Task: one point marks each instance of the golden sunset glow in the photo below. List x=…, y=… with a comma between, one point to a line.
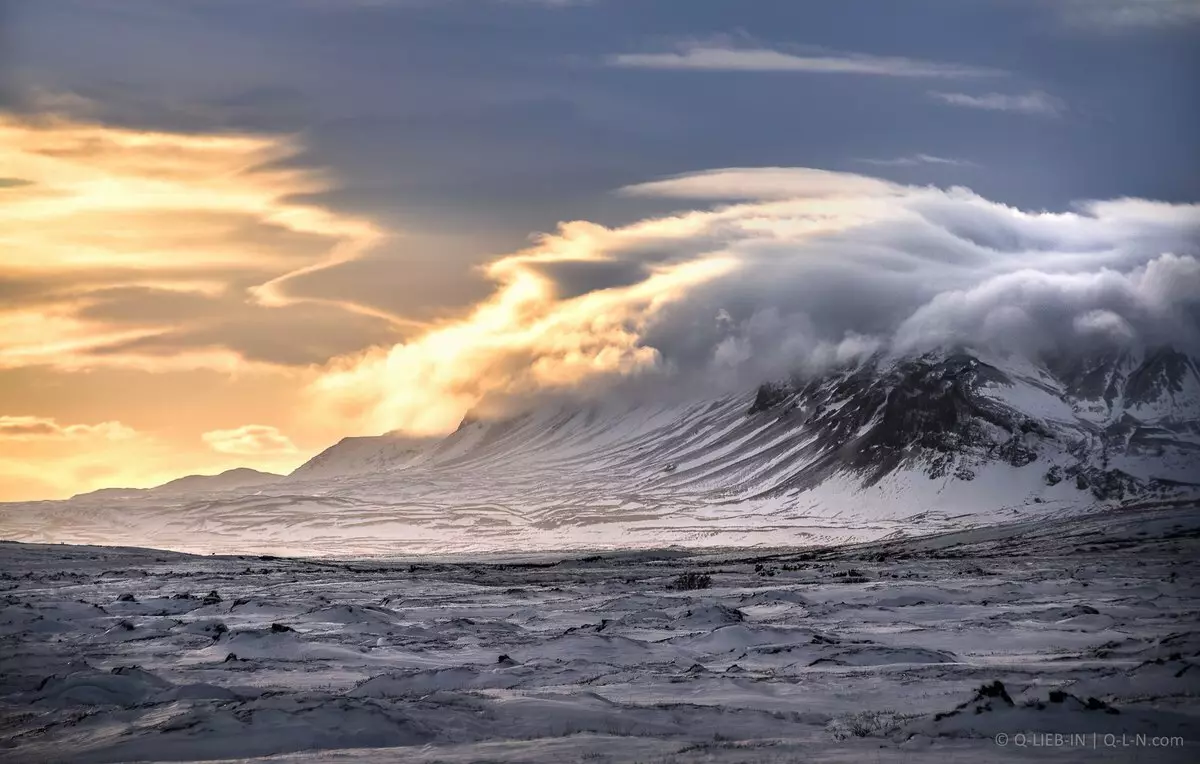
x=149, y=252
x=159, y=254
x=178, y=303
x=467, y=380
x=520, y=342
x=98, y=209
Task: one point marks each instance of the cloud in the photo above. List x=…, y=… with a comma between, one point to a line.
x=249, y=440
x=42, y=458
x=1034, y=102
x=162, y=250
x=720, y=56
x=779, y=270
x=528, y=338
x=32, y=427
x=1128, y=14
x=549, y=3
x=1035, y=312
x=915, y=160
x=764, y=183
x=355, y=5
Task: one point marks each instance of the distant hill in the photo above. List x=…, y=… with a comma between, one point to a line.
x=240, y=477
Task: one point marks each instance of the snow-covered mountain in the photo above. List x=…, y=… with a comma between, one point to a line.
x=881, y=446
x=356, y=455
x=1117, y=425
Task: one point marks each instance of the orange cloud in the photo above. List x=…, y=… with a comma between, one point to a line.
x=131, y=251
x=89, y=209
x=523, y=340
x=249, y=440
x=804, y=267
x=32, y=427
x=42, y=458
x=123, y=250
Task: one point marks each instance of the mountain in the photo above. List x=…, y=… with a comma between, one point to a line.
x=1119, y=424
x=885, y=445
x=239, y=478
x=356, y=455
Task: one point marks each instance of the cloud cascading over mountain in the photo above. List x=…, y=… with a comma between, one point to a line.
x=788, y=269
x=243, y=236
x=656, y=381
x=760, y=272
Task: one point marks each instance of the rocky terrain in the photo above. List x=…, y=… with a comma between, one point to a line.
x=1067, y=640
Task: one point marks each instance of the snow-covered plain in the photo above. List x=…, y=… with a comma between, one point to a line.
x=876, y=652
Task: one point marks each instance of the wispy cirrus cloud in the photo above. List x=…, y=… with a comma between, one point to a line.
x=123, y=247
x=1035, y=102
x=915, y=160
x=360, y=5
x=721, y=55
x=33, y=427
x=1115, y=15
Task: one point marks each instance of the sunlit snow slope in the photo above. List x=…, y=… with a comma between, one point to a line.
x=880, y=447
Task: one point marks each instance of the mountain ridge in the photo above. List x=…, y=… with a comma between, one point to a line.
x=943, y=409
x=237, y=477
x=883, y=446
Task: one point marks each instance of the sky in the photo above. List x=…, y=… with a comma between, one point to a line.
x=232, y=233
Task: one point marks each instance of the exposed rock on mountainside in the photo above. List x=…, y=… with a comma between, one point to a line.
x=1117, y=425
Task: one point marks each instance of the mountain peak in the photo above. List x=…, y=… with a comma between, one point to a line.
x=367, y=453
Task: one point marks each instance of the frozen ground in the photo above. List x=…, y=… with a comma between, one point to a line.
x=872, y=653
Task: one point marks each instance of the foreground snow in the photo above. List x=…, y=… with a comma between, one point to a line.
x=887, y=652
